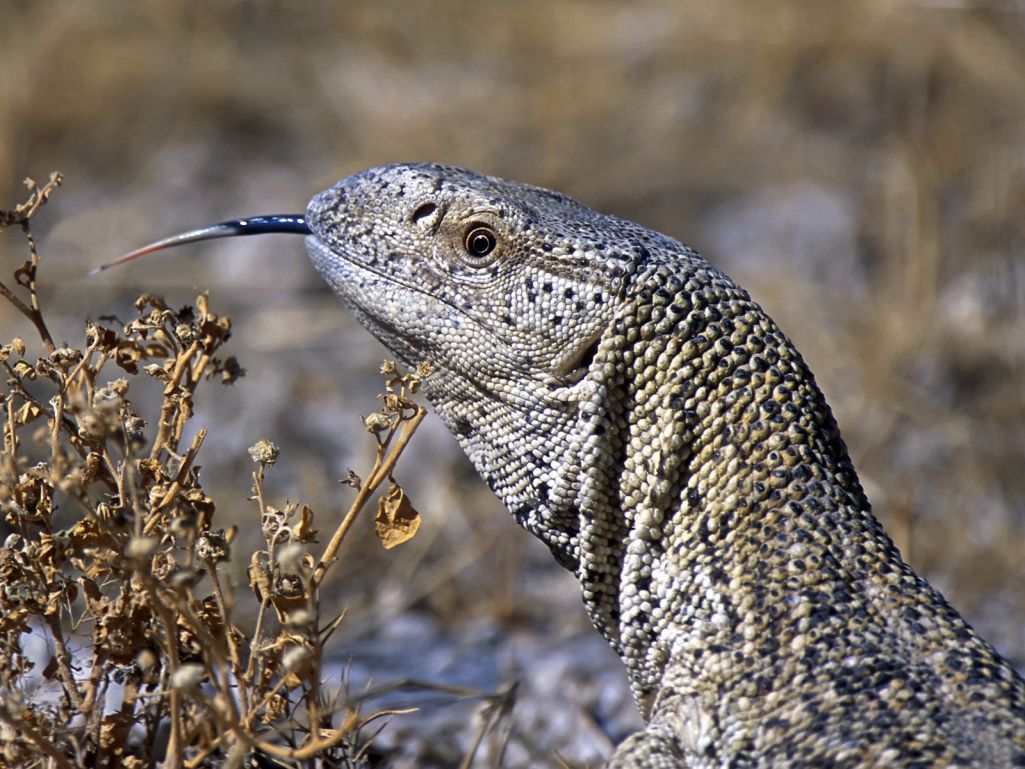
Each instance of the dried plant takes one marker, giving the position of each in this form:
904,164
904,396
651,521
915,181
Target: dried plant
111,552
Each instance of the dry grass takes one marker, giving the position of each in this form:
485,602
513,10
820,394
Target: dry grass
112,554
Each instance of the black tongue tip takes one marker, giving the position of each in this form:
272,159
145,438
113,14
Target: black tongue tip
294,224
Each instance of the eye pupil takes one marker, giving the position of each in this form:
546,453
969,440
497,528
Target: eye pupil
481,241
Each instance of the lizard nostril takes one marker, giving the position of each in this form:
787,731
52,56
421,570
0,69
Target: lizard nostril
422,212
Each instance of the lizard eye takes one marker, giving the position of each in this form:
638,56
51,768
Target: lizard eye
480,241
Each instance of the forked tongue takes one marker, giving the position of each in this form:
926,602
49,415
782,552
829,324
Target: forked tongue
254,225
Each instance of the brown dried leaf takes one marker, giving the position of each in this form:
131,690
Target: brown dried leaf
150,300
24,370
50,671
101,338
92,467
28,412
98,570
114,731
34,498
127,357
90,589
14,619
202,504
86,533
157,372
230,370
54,549
24,275
276,709
303,531
259,576
396,520
210,613
151,469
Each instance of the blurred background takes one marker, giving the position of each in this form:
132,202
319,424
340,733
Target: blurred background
860,167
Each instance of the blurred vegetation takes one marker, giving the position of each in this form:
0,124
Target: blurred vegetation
109,543
859,166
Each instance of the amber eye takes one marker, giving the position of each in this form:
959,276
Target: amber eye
480,241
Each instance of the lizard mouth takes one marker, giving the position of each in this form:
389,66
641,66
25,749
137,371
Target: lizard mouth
330,263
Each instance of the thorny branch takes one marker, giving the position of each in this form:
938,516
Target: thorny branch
25,275
397,421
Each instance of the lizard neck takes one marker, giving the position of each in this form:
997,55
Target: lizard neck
724,506
522,447
694,481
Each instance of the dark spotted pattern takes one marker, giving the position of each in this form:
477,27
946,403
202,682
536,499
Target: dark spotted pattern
640,414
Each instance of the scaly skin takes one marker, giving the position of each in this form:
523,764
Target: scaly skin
641,415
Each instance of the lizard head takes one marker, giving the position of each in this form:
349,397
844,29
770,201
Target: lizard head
470,273
494,280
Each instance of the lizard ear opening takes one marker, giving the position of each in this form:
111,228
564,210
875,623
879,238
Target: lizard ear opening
578,361
587,357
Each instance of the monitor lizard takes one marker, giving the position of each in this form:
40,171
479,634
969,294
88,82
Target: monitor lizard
642,416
